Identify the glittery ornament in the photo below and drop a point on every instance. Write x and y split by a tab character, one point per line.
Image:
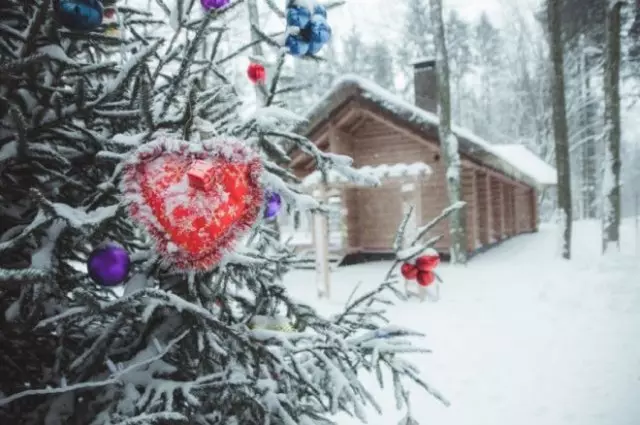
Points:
109	13
112	32
298	16
274	203
296	45
427	263
425	278
272	323
109	264
79	15
319	31
214	4
320	10
256	73
195	200
409	271
314	48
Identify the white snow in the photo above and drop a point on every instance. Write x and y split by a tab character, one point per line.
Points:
57	53
528	163
481	149
378	172
519	336
8	151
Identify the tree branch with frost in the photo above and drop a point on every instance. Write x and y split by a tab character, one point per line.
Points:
49	391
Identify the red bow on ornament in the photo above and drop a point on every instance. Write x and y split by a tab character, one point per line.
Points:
422	270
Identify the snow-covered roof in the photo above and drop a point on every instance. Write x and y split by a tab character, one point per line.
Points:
350	86
528	162
379	172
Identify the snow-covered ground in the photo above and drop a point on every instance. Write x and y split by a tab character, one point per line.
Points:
520	336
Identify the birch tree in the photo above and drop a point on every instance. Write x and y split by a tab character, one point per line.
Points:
612	163
448	141
560	131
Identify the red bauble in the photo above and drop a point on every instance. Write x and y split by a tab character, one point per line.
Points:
409	271
256	73
427	263
196	201
109	13
426	278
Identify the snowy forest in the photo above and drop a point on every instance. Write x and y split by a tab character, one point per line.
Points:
500	82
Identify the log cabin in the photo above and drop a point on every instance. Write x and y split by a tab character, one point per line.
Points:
397	141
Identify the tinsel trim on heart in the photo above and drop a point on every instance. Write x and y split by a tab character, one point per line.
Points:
232	151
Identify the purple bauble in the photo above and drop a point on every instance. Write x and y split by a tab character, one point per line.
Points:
109	264
274	202
214	4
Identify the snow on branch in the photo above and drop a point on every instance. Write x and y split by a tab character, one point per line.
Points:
49	391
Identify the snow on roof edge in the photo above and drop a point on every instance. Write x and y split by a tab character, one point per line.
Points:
378	172
530	163
402	108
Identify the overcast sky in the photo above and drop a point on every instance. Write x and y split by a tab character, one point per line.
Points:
383	18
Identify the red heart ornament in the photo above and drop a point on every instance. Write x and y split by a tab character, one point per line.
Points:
195	200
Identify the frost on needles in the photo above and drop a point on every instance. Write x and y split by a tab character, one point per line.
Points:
174	348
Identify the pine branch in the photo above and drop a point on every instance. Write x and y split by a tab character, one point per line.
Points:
11	277
33	30
20	65
50	391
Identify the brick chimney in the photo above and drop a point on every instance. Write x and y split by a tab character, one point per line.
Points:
425	85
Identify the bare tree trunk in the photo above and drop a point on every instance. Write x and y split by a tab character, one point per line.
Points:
560	131
589	171
612	163
448	141
256	49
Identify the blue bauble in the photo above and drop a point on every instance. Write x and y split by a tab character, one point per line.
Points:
319	31
314	48
320	10
81	15
298	16
296	45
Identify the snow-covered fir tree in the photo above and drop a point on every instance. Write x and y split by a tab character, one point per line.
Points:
176	343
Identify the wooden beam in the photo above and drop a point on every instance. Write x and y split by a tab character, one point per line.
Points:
337	137
503	214
487	182
410	134
301	158
476	205
534	209
418	202
360	121
514	217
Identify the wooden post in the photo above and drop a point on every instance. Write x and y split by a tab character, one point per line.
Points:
534	210
489	205
475	214
637	218
411	197
503	207
321	230
516	216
